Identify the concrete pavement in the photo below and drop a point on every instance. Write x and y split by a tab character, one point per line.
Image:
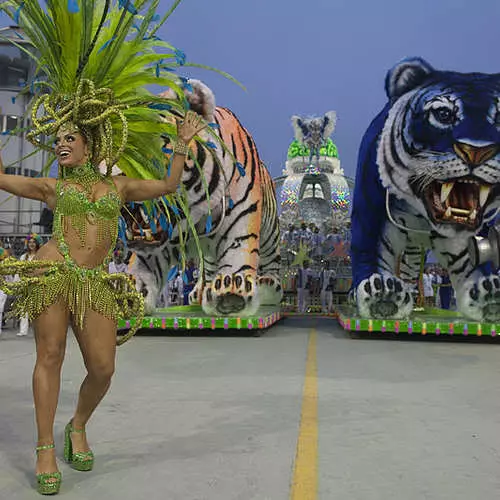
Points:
205	418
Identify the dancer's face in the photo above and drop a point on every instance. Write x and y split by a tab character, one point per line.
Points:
71	147
32	245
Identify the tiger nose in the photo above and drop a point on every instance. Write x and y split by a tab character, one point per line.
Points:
475	155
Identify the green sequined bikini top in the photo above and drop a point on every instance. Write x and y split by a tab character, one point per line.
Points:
74	207
72	201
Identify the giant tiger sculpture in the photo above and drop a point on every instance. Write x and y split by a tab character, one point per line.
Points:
428	176
241	251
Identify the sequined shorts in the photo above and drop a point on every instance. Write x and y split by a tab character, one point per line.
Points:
43	283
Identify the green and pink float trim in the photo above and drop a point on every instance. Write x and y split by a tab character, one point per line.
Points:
422	322
193	318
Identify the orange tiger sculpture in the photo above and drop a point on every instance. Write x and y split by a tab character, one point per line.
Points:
241	250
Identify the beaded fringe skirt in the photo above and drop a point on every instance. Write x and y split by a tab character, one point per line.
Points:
39	284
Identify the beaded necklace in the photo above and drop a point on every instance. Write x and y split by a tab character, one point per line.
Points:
85	175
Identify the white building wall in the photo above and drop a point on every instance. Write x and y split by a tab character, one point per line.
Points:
17	215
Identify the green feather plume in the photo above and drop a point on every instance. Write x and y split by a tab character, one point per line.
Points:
101	41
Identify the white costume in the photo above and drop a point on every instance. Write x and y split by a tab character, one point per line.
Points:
304	277
327	282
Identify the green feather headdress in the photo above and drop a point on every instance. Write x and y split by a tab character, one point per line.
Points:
94	59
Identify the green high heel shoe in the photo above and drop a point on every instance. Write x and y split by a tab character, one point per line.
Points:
49	483
81	461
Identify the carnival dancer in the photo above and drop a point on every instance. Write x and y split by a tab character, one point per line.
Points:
32	244
95	104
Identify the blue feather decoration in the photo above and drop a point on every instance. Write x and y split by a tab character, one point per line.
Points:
18	13
180	57
241	169
106	44
160	106
208	225
122	228
163	222
231	203
210	145
214	125
129	6
185	278
170	231
172	273
73	6
167	151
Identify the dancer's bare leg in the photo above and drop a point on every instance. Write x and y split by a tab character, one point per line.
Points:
50	337
98	345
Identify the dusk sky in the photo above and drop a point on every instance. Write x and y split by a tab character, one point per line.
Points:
309	57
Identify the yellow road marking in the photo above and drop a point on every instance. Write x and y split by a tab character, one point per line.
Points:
305	475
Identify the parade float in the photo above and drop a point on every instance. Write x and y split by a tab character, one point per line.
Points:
427	179
313	192
232	231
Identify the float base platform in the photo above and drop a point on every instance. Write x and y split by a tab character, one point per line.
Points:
193	318
422	322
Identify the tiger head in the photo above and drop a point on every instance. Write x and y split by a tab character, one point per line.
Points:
439	149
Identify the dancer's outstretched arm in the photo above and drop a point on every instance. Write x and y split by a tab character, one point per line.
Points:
41	188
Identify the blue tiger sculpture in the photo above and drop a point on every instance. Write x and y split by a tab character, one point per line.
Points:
428	177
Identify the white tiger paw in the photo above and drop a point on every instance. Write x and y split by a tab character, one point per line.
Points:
150	294
480	300
231	294
384	297
270	290
196	294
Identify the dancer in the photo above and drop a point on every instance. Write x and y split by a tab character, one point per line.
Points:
74	288
32	244
96	106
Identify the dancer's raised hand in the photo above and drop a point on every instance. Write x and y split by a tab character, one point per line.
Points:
190	126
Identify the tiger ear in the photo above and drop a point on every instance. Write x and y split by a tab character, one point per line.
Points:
405	76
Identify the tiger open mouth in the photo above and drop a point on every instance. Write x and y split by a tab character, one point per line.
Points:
459	201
